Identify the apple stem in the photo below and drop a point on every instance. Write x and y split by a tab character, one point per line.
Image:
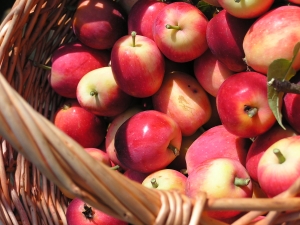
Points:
241	181
168	26
42	66
174	149
116	167
237	1
251	111
88	212
133	35
66	106
284	86
184	171
94	93
279	155
154	183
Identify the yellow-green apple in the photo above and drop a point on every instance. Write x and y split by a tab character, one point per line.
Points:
183	99
135	175
273	36
99	23
210	72
98	92
148	141
262	143
83	126
279	166
179	31
138	65
166	179
80	213
231	30
246	9
111	132
220	178
242	104
142	15
216	142
70	62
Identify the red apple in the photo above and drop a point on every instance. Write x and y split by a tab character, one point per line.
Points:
99	155
135	175
183	99
242	104
83	126
220	178
70	62
279	166
166	179
80	213
273	36
98	92
135	72
246	9
231	30
210	72
99	23
262	143
148	141
179	31
142	15
216	142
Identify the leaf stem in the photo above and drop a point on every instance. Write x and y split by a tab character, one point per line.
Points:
284	86
241	181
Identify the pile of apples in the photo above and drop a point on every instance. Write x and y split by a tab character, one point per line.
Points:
177	99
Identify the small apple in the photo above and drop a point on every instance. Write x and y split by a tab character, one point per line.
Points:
80	213
279	166
67	72
183	99
83	126
166	179
179	31
242	104
98	92
220	178
135	72
148	141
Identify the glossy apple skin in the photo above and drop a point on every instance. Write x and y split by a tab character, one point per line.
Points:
273	36
216	142
246	9
99	155
273	177
183	99
216	178
111	132
135	175
83	126
142	15
262	143
67	72
109	101
236	94
187	43
99	23
135	72
231	30
210	72
142	141
75	216
167	179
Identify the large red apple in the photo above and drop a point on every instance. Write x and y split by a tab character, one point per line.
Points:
70	62
138	65
179	31
273	36
183	99
99	23
148	141
242	104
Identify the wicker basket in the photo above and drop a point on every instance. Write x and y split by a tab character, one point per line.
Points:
36	158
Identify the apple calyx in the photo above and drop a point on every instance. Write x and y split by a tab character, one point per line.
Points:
251	111
133	35
280	156
88	212
241	181
174	149
169	26
94	93
154	183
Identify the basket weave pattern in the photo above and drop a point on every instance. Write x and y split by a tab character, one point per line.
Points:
36	158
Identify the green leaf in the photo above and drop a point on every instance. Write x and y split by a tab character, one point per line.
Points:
280	69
